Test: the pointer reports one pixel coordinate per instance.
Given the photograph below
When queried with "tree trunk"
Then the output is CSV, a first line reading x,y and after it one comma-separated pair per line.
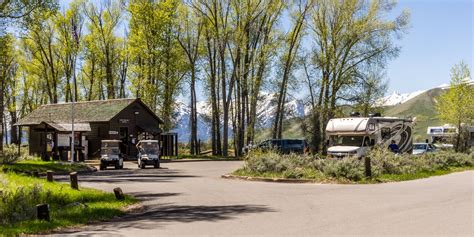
x,y
193,116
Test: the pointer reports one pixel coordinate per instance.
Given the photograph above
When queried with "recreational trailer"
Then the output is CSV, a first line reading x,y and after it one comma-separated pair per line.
x,y
440,136
353,136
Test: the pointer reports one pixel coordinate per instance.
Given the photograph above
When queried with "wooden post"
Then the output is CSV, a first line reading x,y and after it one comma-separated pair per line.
x,y
176,143
42,212
49,176
19,140
119,194
73,178
368,167
199,147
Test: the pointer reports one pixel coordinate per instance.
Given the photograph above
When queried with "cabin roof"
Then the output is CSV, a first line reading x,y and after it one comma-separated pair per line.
x,y
84,112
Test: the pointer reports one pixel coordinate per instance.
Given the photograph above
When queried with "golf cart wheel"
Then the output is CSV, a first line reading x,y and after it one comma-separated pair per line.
x,y
101,167
117,166
157,165
121,167
142,165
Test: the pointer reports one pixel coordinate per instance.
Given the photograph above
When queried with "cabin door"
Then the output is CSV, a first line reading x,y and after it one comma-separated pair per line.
x,y
125,145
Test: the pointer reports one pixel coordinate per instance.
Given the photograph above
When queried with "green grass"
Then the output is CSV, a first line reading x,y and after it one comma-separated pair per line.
x,y
100,205
319,177
420,175
43,166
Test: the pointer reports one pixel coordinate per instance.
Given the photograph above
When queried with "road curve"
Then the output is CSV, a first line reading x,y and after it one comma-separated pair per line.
x,y
190,199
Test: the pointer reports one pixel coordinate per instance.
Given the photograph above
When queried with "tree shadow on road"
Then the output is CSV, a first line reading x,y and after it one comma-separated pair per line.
x,y
151,218
132,175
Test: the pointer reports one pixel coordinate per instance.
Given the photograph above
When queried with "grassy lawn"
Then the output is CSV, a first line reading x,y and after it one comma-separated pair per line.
x,y
319,177
43,166
68,207
421,175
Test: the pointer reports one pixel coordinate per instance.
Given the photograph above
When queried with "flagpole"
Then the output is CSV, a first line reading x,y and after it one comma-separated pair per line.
x,y
73,90
72,126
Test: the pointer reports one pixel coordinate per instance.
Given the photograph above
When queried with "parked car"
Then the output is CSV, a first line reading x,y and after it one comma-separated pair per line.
x,y
422,148
110,154
284,146
148,153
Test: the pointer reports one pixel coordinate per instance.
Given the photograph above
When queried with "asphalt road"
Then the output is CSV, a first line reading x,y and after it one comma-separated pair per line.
x,y
190,199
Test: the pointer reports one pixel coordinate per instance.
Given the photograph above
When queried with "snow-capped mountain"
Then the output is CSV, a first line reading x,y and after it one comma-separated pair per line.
x,y
266,106
396,98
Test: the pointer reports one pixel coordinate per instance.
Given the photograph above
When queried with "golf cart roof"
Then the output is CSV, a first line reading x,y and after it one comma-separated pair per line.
x,y
141,141
111,141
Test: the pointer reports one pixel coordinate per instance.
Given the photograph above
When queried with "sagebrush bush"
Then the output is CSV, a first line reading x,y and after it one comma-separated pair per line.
x,y
353,168
10,154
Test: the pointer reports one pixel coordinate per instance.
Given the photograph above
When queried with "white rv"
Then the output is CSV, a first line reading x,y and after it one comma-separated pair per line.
x,y
354,135
440,136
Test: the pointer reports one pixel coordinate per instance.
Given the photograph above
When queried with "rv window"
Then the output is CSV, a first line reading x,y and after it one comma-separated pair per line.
x,y
347,140
385,133
371,126
449,130
436,130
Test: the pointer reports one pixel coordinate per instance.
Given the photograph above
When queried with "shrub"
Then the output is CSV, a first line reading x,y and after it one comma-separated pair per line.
x,y
386,162
352,168
10,154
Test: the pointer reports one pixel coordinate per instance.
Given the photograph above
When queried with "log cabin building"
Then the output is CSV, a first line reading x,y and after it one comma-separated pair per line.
x,y
128,120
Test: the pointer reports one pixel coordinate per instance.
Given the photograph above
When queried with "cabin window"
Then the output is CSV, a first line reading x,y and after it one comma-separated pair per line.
x,y
371,126
385,133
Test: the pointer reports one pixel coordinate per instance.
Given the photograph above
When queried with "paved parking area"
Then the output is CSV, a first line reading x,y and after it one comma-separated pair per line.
x,y
190,199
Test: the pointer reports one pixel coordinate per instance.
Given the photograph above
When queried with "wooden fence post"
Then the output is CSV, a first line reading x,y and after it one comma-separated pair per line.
x,y
49,176
368,167
42,212
73,178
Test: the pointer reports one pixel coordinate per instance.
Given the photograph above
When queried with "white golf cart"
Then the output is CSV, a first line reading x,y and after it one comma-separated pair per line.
x,y
148,153
110,154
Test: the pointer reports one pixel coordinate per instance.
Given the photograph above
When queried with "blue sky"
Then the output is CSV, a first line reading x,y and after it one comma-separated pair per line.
x,y
440,36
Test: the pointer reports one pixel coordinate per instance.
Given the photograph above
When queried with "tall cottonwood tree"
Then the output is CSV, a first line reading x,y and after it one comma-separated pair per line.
x,y
292,44
102,22
456,105
348,34
189,38
157,57
69,33
8,68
